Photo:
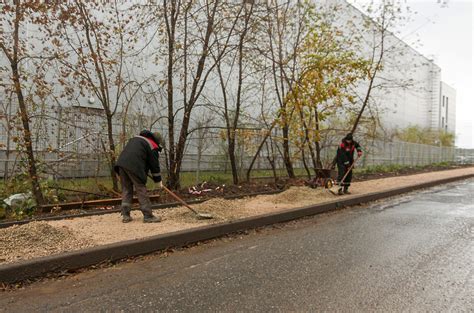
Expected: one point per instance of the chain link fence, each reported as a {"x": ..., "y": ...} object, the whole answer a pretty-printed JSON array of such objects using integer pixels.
[
  {"x": 77, "y": 164},
  {"x": 70, "y": 143}
]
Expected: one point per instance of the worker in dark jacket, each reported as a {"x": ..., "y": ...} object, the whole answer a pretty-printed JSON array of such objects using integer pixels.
[
  {"x": 344, "y": 160},
  {"x": 139, "y": 157}
]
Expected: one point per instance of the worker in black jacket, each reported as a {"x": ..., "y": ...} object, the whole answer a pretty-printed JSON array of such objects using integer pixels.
[
  {"x": 344, "y": 160},
  {"x": 139, "y": 157}
]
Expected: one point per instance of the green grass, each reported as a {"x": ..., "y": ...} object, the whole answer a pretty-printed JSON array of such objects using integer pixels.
[
  {"x": 104, "y": 184},
  {"x": 189, "y": 178},
  {"x": 388, "y": 168},
  {"x": 380, "y": 169}
]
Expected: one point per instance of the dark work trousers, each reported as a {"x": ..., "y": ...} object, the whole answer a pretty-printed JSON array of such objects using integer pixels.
[
  {"x": 341, "y": 171},
  {"x": 128, "y": 181}
]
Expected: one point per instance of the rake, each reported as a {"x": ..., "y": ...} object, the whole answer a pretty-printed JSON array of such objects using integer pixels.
[
  {"x": 344, "y": 177},
  {"x": 200, "y": 216}
]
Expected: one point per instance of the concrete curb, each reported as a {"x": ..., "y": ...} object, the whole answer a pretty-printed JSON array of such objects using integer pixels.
[{"x": 29, "y": 269}]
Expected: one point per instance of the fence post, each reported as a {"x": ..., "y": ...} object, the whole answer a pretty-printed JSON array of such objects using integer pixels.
[{"x": 391, "y": 153}]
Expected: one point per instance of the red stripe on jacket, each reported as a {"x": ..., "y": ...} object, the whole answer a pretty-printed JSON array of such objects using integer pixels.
[
  {"x": 152, "y": 143},
  {"x": 352, "y": 147}
]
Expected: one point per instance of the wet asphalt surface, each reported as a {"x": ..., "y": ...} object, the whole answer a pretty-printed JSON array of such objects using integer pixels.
[{"x": 411, "y": 253}]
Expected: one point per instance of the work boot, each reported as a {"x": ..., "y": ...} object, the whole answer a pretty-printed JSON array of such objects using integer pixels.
[
  {"x": 340, "y": 192},
  {"x": 126, "y": 217},
  {"x": 151, "y": 219},
  {"x": 346, "y": 191}
]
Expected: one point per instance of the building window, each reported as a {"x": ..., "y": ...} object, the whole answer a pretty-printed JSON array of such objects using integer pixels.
[
  {"x": 442, "y": 122},
  {"x": 443, "y": 101},
  {"x": 447, "y": 106}
]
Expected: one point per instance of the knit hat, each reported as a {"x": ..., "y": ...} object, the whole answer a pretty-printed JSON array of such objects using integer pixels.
[
  {"x": 348, "y": 136},
  {"x": 158, "y": 139}
]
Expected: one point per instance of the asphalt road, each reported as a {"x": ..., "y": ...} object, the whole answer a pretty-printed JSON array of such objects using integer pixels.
[{"x": 413, "y": 253}]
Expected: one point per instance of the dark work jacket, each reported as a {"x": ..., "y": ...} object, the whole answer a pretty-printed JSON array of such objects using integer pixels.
[
  {"x": 140, "y": 156},
  {"x": 345, "y": 153}
]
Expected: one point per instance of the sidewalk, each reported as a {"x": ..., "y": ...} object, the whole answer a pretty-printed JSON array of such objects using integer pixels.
[{"x": 105, "y": 229}]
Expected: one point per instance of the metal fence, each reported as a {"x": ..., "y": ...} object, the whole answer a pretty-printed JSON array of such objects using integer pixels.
[
  {"x": 78, "y": 165},
  {"x": 404, "y": 153}
]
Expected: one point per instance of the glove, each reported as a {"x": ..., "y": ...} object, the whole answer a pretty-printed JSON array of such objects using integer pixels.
[{"x": 359, "y": 153}]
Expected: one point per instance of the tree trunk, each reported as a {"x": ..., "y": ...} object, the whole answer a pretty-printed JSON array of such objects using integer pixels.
[
  {"x": 170, "y": 29},
  {"x": 271, "y": 160},
  {"x": 233, "y": 161},
  {"x": 303, "y": 158},
  {"x": 32, "y": 170},
  {"x": 7, "y": 161},
  {"x": 13, "y": 60},
  {"x": 7, "y": 151},
  {"x": 230, "y": 131},
  {"x": 235, "y": 123},
  {"x": 286, "y": 152},
  {"x": 199, "y": 156},
  {"x": 255, "y": 156},
  {"x": 307, "y": 140},
  {"x": 319, "y": 164},
  {"x": 111, "y": 152},
  {"x": 280, "y": 92},
  {"x": 313, "y": 156},
  {"x": 372, "y": 77},
  {"x": 173, "y": 175},
  {"x": 175, "y": 168}
]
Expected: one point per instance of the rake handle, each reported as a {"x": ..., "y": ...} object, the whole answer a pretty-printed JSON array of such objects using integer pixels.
[
  {"x": 348, "y": 170},
  {"x": 179, "y": 199}
]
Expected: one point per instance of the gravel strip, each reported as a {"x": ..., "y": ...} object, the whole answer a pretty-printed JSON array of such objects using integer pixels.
[
  {"x": 46, "y": 238},
  {"x": 37, "y": 239}
]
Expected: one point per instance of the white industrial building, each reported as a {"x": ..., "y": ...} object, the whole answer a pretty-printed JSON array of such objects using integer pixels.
[
  {"x": 426, "y": 101},
  {"x": 432, "y": 107},
  {"x": 447, "y": 108},
  {"x": 413, "y": 93}
]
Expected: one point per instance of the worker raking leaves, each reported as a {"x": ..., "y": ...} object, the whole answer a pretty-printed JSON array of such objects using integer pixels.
[
  {"x": 344, "y": 160},
  {"x": 139, "y": 157}
]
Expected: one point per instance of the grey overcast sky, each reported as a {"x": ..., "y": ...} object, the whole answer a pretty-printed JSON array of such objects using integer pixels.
[{"x": 444, "y": 29}]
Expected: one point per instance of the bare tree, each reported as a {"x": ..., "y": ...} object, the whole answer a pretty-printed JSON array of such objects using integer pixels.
[
  {"x": 187, "y": 58},
  {"x": 8, "y": 120},
  {"x": 26, "y": 71},
  {"x": 379, "y": 25},
  {"x": 282, "y": 29},
  {"x": 236, "y": 58},
  {"x": 286, "y": 28},
  {"x": 95, "y": 45}
]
